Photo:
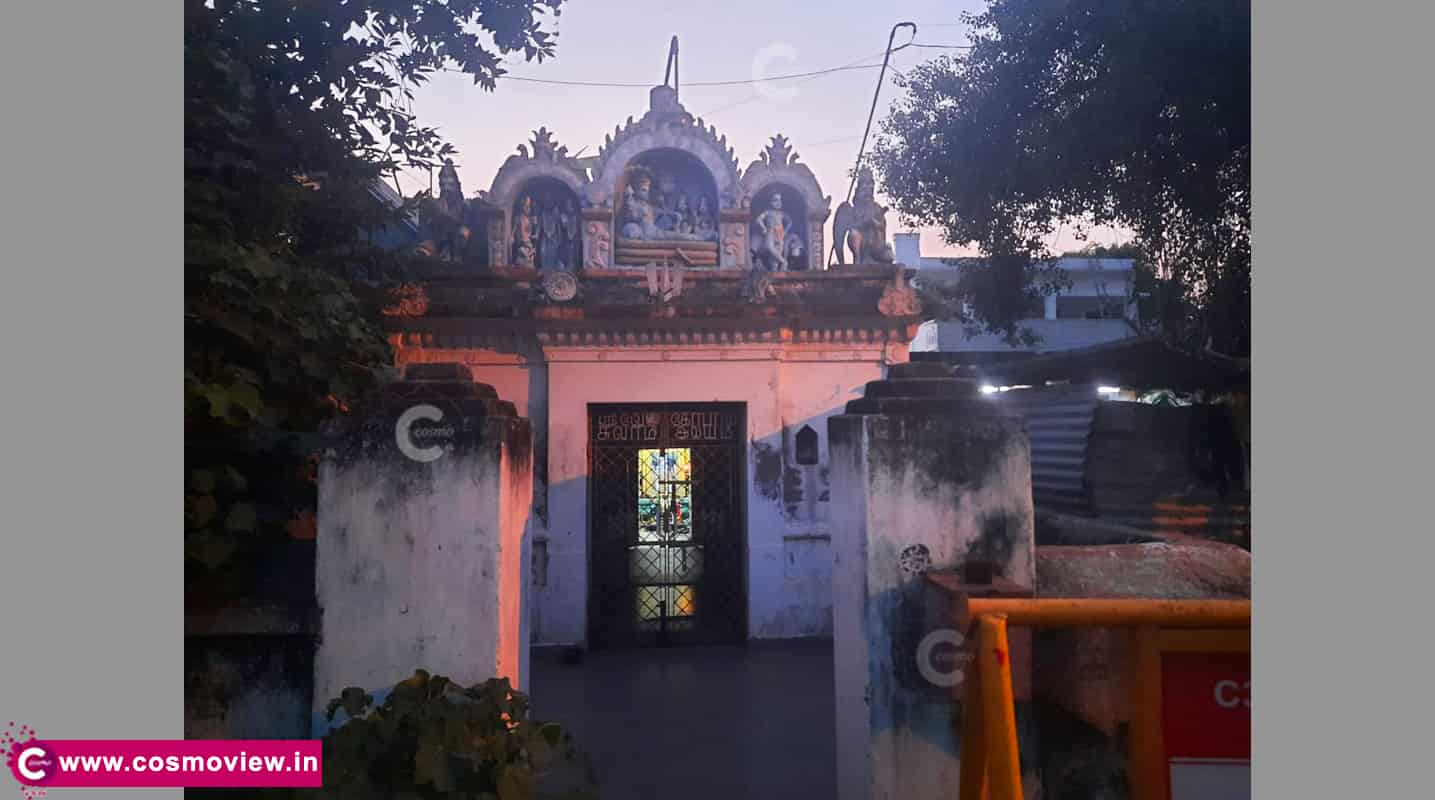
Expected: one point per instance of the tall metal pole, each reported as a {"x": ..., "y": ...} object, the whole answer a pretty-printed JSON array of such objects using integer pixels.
[
  {"x": 672, "y": 70},
  {"x": 871, "y": 113}
]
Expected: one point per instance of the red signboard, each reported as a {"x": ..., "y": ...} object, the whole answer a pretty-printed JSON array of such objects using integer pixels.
[{"x": 1206, "y": 724}]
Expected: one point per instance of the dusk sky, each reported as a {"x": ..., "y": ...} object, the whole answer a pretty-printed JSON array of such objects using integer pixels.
[{"x": 627, "y": 42}]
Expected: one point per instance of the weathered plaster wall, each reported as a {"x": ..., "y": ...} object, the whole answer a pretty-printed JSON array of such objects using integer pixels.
[
  {"x": 913, "y": 493},
  {"x": 420, "y": 563},
  {"x": 520, "y": 376},
  {"x": 784, "y": 388}
]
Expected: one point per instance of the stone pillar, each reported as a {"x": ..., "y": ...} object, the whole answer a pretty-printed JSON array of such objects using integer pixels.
[
  {"x": 817, "y": 242},
  {"x": 423, "y": 508},
  {"x": 925, "y": 475}
]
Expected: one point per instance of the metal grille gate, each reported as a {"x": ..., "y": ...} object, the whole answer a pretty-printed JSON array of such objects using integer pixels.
[{"x": 667, "y": 554}]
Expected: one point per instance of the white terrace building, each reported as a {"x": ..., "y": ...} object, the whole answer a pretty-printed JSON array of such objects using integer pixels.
[{"x": 1098, "y": 307}]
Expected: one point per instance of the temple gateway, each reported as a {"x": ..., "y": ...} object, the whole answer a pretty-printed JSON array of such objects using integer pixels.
[{"x": 666, "y": 321}]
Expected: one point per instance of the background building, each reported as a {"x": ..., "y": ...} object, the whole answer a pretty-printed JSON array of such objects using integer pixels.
[{"x": 1098, "y": 307}]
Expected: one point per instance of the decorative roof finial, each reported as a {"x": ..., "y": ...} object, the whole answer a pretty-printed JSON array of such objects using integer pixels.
[{"x": 779, "y": 153}]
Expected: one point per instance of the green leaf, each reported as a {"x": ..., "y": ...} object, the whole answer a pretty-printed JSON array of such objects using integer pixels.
[
  {"x": 200, "y": 509},
  {"x": 516, "y": 783},
  {"x": 241, "y": 518},
  {"x": 201, "y": 480},
  {"x": 431, "y": 766},
  {"x": 234, "y": 479},
  {"x": 354, "y": 701},
  {"x": 209, "y": 549}
]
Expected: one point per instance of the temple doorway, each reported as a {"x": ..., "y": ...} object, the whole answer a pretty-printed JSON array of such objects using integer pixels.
[{"x": 668, "y": 544}]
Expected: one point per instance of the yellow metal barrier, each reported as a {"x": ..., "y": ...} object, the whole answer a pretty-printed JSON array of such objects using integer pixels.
[{"x": 990, "y": 757}]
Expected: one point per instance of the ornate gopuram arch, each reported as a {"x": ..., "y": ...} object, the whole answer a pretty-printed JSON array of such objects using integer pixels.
[
  {"x": 548, "y": 176},
  {"x": 777, "y": 172},
  {"x": 683, "y": 161}
]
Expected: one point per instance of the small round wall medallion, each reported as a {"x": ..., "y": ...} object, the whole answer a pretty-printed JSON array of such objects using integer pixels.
[
  {"x": 915, "y": 559},
  {"x": 560, "y": 287}
]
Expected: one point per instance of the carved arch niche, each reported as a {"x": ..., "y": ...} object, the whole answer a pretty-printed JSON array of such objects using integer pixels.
[
  {"x": 775, "y": 171},
  {"x": 546, "y": 174},
  {"x": 555, "y": 223},
  {"x": 795, "y": 207},
  {"x": 667, "y": 201}
]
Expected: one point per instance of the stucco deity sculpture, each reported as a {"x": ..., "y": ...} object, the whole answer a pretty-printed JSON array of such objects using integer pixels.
[
  {"x": 771, "y": 236},
  {"x": 639, "y": 216},
  {"x": 664, "y": 215},
  {"x": 704, "y": 223},
  {"x": 450, "y": 191},
  {"x": 862, "y": 225},
  {"x": 550, "y": 237},
  {"x": 684, "y": 211},
  {"x": 524, "y": 252},
  {"x": 598, "y": 246},
  {"x": 568, "y": 228}
]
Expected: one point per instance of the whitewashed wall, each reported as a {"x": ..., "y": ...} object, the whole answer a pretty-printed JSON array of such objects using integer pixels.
[{"x": 419, "y": 564}]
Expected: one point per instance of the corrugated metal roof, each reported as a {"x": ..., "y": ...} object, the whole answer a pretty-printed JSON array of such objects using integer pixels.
[
  {"x": 1058, "y": 421},
  {"x": 1142, "y": 363}
]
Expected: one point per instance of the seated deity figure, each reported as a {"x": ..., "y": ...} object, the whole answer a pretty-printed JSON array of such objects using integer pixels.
[
  {"x": 684, "y": 212},
  {"x": 668, "y": 216},
  {"x": 524, "y": 251},
  {"x": 639, "y": 216},
  {"x": 704, "y": 225}
]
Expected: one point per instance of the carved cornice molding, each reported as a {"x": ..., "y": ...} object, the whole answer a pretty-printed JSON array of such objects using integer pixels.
[
  {"x": 648, "y": 355},
  {"x": 659, "y": 340}
]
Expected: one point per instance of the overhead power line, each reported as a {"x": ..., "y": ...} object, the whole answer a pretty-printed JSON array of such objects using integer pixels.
[
  {"x": 734, "y": 82},
  {"x": 624, "y": 85}
]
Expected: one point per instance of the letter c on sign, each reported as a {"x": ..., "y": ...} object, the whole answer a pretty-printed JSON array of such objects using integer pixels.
[
  {"x": 405, "y": 443},
  {"x": 1229, "y": 694},
  {"x": 22, "y": 763}
]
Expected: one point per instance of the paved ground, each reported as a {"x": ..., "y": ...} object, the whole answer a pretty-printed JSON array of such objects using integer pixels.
[{"x": 699, "y": 722}]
